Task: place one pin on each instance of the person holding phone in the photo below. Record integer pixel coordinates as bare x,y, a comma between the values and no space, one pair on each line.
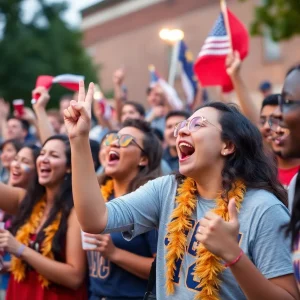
219,220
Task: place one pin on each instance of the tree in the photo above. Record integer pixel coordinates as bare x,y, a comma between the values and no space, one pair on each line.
280,17
45,45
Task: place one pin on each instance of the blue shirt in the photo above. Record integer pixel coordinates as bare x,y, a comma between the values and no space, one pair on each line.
109,280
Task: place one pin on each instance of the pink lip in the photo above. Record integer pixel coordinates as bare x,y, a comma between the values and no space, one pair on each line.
112,163
181,160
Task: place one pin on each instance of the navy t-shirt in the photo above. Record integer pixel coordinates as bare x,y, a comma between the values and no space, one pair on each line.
109,280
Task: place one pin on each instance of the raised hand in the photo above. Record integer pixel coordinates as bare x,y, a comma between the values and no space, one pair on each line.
233,63
118,77
77,116
4,109
219,236
43,98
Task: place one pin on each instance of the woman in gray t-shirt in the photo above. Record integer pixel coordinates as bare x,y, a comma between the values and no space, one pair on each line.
219,222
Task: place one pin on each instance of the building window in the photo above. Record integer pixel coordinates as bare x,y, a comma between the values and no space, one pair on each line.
272,49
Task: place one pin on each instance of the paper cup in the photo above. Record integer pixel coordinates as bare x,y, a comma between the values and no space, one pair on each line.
19,106
87,246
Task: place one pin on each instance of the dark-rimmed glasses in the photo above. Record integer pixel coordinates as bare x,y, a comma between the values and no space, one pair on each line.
124,140
192,125
286,104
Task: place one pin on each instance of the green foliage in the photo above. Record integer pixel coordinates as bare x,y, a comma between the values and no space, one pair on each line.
280,17
45,45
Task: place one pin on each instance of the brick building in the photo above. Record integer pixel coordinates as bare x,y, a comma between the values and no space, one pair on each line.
125,33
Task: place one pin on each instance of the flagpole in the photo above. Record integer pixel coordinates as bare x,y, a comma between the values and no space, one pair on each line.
174,63
226,21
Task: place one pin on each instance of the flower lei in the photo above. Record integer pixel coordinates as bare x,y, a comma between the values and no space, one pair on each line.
18,268
107,189
208,266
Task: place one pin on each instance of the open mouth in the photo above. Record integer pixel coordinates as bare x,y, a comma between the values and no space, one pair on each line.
15,174
45,170
186,150
113,156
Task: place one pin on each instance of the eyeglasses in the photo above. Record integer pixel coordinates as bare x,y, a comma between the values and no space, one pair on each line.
124,140
192,125
287,105
263,120
275,122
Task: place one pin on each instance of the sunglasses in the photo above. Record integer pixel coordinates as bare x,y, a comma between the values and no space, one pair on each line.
287,105
192,125
124,140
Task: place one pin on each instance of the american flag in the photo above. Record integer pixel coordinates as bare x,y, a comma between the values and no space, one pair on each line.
210,66
218,41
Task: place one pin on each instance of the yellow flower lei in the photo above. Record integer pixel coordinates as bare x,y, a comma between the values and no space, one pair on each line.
18,268
208,266
107,189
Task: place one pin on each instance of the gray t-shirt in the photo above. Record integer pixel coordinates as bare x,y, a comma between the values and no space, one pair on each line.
261,217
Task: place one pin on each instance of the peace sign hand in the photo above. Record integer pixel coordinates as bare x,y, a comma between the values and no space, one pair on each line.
77,116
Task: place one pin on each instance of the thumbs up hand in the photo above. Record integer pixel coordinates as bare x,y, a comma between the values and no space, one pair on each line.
219,236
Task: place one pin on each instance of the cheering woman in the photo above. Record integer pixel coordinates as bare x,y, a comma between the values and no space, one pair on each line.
119,269
48,261
219,220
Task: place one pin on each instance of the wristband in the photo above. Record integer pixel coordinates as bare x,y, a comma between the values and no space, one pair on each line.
229,264
20,251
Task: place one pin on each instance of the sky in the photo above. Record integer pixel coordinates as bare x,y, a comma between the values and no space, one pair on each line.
73,14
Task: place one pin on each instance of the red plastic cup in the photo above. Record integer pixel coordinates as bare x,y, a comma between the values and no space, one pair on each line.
19,107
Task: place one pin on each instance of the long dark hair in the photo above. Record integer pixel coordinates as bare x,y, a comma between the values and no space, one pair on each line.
249,161
153,151
63,203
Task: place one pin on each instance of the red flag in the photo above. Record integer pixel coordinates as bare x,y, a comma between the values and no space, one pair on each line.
68,81
228,35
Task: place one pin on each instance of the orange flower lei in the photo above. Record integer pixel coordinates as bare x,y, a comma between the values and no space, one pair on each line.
208,265
107,189
18,267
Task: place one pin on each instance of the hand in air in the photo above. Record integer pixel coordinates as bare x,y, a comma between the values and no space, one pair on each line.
43,99
77,116
233,63
219,236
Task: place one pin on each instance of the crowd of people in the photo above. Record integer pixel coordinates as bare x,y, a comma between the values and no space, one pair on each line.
206,198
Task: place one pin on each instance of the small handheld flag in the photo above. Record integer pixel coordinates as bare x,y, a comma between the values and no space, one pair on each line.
68,81
227,35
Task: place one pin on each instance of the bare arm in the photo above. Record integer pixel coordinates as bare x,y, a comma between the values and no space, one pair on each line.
69,274
44,127
10,198
246,103
88,201
256,286
138,265
118,79
219,237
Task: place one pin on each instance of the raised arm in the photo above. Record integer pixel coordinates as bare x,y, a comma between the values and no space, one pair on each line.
45,130
89,204
10,198
250,110
118,79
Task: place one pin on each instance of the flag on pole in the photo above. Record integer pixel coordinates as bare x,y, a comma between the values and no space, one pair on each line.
169,91
227,35
68,81
188,80
105,109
